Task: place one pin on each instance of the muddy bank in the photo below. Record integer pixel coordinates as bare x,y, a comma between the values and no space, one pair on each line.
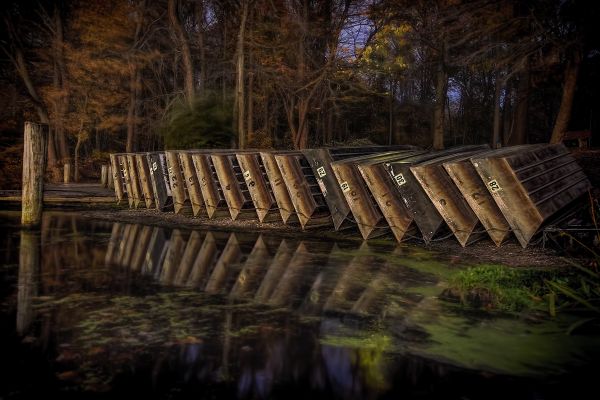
481,252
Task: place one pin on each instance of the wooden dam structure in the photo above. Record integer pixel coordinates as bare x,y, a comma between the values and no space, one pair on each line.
466,192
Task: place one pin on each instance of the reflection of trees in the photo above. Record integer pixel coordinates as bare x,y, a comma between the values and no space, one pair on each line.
263,327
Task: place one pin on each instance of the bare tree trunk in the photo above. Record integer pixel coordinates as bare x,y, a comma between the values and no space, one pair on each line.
186,55
441,89
391,113
62,85
519,135
200,14
566,104
131,109
250,116
497,112
240,100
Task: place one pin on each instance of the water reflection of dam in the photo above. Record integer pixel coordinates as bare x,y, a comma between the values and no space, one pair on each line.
308,275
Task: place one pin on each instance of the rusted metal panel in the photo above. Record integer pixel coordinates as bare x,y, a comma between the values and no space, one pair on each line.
365,210
465,177
257,181
233,185
278,187
159,177
191,183
177,182
320,161
447,199
119,183
531,184
304,191
144,177
214,200
134,181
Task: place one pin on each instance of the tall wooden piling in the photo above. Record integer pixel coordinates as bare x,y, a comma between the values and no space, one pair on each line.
34,165
67,173
110,183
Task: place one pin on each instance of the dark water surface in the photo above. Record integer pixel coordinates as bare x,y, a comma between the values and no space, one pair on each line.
99,309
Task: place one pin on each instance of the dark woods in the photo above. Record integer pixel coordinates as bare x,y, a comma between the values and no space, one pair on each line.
142,75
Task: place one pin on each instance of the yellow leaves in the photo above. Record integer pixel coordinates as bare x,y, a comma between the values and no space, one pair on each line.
388,49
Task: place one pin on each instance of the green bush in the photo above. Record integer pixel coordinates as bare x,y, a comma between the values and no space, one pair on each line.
207,123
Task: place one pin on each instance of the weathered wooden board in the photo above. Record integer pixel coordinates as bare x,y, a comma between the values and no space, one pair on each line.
275,271
279,188
124,171
427,218
253,270
365,210
447,198
304,191
205,259
191,183
159,177
257,181
134,181
225,265
466,179
320,161
531,184
119,184
187,259
233,185
214,200
144,177
177,182
172,258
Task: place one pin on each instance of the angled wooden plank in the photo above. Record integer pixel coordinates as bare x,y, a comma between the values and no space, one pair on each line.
304,191
134,181
159,177
214,200
118,183
466,179
124,171
291,280
259,187
234,187
191,183
320,161
145,180
279,189
447,198
531,184
176,181
365,210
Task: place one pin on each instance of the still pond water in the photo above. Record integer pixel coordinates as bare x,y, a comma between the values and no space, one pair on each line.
92,308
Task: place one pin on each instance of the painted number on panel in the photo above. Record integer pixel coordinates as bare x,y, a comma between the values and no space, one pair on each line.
321,172
400,179
345,187
247,175
494,187
154,166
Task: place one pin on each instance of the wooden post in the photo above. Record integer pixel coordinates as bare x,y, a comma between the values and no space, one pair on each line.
104,175
110,179
67,173
34,165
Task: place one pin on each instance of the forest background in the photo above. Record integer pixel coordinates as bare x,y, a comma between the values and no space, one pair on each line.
143,75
